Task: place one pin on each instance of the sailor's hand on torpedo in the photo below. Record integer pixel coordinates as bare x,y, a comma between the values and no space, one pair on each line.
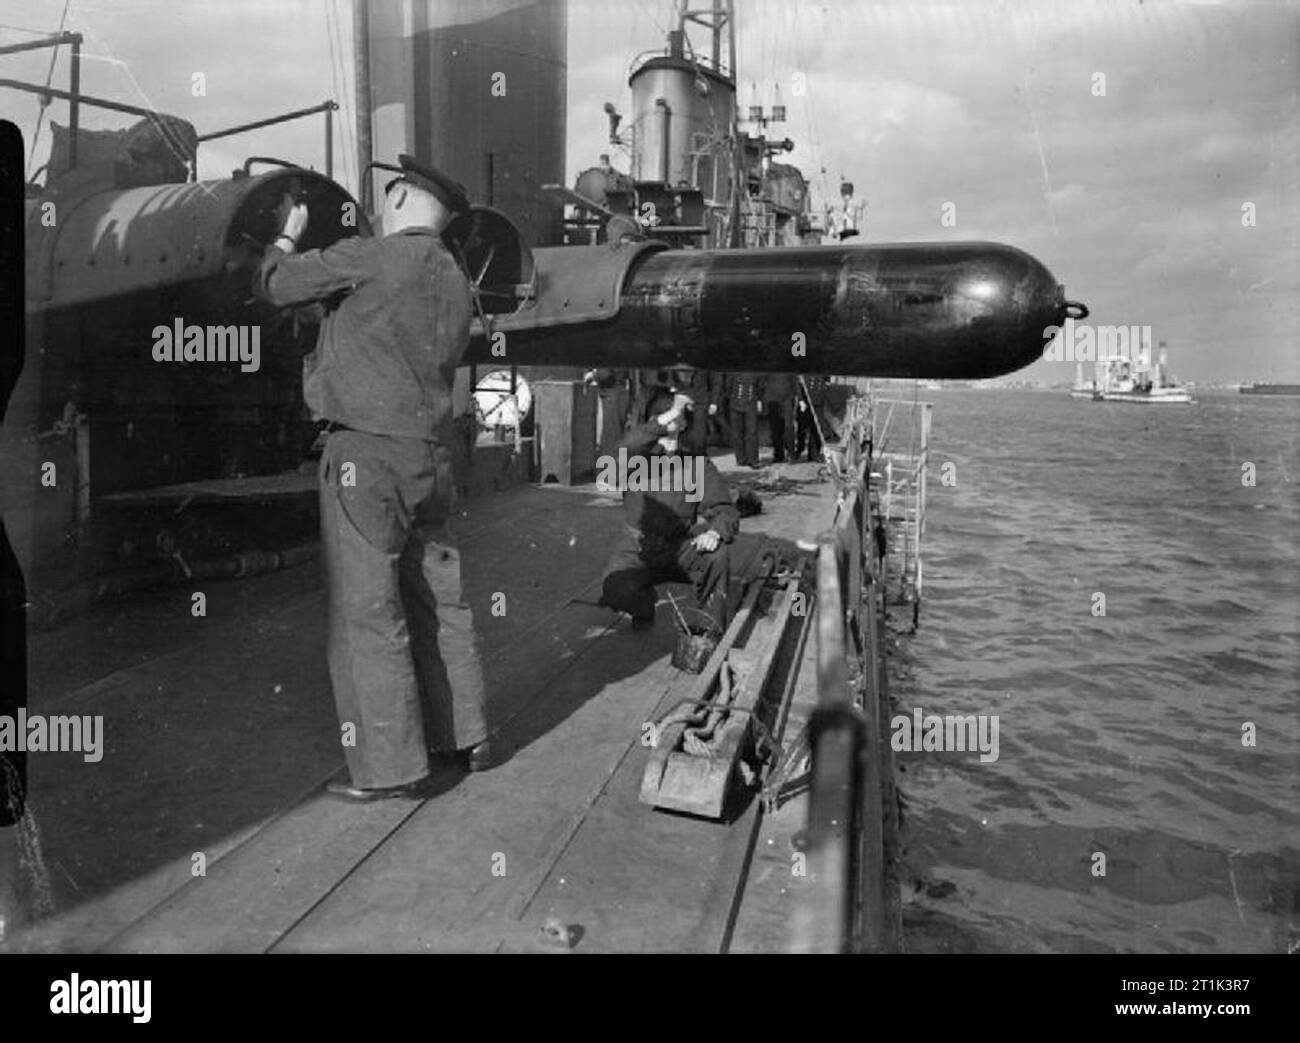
707,541
713,409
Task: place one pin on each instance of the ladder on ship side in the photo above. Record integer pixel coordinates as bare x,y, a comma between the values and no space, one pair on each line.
901,435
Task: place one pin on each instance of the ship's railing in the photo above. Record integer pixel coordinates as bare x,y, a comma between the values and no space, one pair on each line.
851,834
703,62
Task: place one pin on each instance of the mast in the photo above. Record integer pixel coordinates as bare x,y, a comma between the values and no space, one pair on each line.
719,18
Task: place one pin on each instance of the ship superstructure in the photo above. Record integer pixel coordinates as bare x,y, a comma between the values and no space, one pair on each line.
1120,378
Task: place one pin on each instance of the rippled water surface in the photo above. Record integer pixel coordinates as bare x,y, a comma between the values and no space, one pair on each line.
1119,734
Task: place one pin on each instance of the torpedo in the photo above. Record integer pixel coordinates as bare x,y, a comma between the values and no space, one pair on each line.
962,310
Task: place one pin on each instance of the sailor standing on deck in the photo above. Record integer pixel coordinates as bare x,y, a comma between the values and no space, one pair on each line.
811,407
743,393
406,676
778,398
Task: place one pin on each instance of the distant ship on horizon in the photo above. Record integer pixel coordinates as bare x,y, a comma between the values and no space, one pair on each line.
1267,387
1122,379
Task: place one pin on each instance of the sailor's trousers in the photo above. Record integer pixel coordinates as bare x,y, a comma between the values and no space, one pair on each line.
403,663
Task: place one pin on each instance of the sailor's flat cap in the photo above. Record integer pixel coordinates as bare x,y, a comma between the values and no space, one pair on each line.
450,193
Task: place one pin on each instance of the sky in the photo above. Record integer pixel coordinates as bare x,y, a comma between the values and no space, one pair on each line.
1132,196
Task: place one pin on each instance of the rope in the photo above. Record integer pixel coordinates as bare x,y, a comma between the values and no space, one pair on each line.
817,423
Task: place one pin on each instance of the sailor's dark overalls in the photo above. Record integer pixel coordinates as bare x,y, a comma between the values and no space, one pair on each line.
406,675
744,393
657,541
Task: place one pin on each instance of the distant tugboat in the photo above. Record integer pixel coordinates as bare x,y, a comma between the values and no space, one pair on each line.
1121,379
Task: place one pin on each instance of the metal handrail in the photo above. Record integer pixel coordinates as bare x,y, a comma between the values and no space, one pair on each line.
327,107
75,99
845,907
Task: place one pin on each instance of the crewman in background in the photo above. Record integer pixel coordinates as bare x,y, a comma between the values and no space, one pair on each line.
718,414
674,534
704,390
811,414
778,407
406,676
612,404
465,428
744,397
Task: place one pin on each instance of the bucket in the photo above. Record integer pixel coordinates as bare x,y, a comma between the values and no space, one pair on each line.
697,639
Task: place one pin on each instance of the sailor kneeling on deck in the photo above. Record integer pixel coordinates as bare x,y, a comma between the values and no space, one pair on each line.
405,671
676,534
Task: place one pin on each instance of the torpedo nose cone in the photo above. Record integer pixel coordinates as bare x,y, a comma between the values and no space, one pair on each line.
1009,300
946,310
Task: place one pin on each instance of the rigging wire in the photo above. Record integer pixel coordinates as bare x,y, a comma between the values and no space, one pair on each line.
45,98
334,58
168,139
348,103
329,42
338,77
650,14
814,137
